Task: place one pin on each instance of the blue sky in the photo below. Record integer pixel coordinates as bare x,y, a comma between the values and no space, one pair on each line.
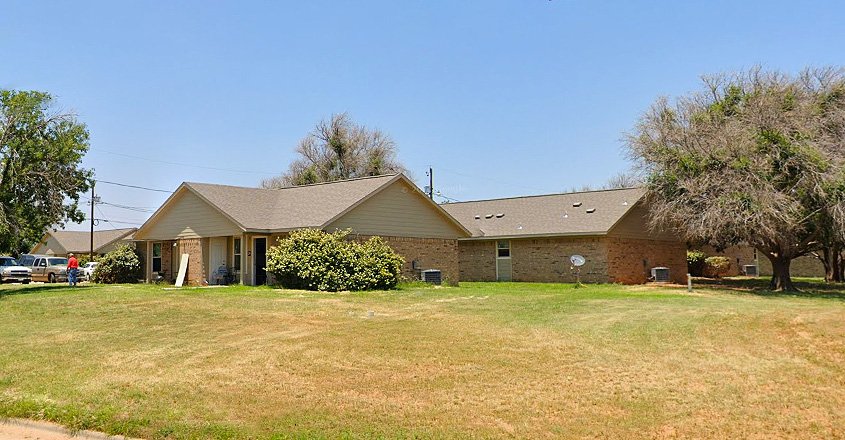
502,98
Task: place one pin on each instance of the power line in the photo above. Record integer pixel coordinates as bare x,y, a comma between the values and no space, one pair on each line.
130,208
258,173
134,186
120,222
101,213
448,199
114,221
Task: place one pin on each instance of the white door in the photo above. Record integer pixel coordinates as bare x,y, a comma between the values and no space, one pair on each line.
216,260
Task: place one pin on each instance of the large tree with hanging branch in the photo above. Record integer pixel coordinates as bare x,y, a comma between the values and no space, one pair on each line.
754,158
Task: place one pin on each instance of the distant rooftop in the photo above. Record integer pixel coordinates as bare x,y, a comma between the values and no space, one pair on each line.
577,213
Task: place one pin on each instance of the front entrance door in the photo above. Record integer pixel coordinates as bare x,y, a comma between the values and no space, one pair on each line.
217,260
260,253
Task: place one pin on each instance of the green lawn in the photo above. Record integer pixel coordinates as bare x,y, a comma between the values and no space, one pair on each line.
482,360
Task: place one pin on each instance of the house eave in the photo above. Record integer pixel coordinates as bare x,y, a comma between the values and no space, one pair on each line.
543,235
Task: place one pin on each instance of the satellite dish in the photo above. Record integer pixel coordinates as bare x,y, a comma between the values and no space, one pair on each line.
577,260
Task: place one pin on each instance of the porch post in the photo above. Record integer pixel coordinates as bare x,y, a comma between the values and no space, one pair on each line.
148,262
245,249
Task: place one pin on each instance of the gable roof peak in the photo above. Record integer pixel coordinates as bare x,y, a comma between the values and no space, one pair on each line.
381,176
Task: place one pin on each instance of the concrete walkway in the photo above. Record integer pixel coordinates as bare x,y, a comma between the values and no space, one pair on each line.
18,429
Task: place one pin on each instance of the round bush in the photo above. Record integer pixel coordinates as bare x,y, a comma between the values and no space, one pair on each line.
717,266
312,259
122,265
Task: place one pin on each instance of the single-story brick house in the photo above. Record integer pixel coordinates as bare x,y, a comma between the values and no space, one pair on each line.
532,238
806,266
231,228
61,243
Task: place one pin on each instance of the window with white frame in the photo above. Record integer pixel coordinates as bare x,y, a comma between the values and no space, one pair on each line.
156,257
236,248
503,249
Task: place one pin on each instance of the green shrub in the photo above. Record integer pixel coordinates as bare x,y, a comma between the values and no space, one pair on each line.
122,265
717,266
311,259
695,263
377,266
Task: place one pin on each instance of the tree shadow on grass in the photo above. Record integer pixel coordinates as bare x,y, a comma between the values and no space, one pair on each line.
808,287
23,289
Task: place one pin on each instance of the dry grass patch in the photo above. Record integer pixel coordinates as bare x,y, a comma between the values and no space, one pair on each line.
483,360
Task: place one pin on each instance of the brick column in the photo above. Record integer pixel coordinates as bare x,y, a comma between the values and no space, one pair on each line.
196,275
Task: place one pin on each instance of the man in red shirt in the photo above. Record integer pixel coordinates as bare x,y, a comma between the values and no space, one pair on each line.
72,269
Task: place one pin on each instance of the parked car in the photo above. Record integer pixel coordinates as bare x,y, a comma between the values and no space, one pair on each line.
11,271
26,260
87,270
49,269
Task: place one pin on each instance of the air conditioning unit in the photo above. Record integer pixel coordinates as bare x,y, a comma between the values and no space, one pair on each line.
660,274
432,276
750,270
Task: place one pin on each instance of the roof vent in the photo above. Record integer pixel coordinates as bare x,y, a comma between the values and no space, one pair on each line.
565,215
478,217
488,216
500,215
519,227
576,204
625,203
591,210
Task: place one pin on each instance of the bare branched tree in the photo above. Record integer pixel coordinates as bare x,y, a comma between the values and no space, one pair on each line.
755,158
339,149
624,179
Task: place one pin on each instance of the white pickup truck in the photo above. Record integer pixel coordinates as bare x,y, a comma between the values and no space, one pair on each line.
11,271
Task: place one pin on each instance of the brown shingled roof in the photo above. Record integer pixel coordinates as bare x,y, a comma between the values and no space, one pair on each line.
288,208
552,214
80,241
284,209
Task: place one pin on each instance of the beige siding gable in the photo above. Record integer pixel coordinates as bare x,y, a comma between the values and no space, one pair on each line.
188,216
399,211
635,225
49,247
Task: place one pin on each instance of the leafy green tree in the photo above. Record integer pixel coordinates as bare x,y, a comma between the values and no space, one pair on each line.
755,158
40,174
339,149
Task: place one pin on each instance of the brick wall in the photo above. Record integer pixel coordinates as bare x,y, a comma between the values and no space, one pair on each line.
166,260
738,256
546,260
807,266
196,260
430,253
477,260
542,260
630,260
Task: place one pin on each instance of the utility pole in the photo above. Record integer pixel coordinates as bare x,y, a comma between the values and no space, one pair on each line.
93,202
430,183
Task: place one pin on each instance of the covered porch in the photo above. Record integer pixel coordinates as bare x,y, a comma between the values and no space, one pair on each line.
234,259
